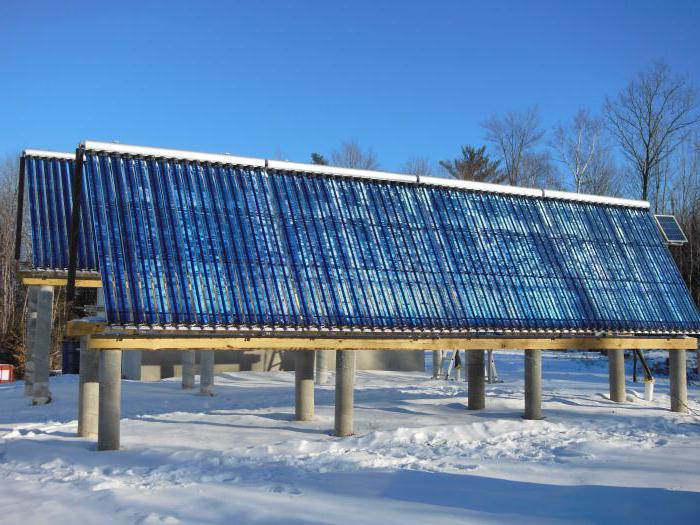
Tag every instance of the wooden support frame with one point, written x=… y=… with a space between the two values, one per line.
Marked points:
x=79 y=283
x=59 y=278
x=227 y=342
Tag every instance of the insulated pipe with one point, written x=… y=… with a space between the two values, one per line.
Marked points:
x=188 y=360
x=677 y=377
x=206 y=372
x=110 y=363
x=304 y=385
x=533 y=384
x=42 y=345
x=322 y=358
x=30 y=338
x=344 y=392
x=476 y=388
x=89 y=390
x=616 y=375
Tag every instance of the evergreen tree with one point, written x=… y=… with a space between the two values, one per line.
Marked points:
x=317 y=158
x=474 y=164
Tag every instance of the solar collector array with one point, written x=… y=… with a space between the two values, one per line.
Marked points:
x=49 y=184
x=196 y=243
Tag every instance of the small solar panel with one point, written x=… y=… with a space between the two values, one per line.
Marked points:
x=671 y=229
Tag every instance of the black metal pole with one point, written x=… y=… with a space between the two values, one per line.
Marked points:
x=20 y=210
x=74 y=229
x=645 y=366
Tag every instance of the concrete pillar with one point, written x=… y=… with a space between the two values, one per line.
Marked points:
x=29 y=341
x=344 y=391
x=677 y=377
x=476 y=388
x=110 y=364
x=42 y=345
x=131 y=364
x=206 y=372
x=89 y=390
x=437 y=361
x=533 y=384
x=616 y=375
x=322 y=357
x=188 y=362
x=304 y=385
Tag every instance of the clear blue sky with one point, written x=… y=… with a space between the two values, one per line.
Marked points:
x=283 y=78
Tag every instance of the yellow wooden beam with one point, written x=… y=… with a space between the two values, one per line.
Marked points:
x=80 y=327
x=79 y=283
x=214 y=342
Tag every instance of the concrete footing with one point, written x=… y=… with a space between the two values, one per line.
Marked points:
x=41 y=393
x=30 y=334
x=206 y=372
x=88 y=390
x=616 y=375
x=188 y=363
x=344 y=392
x=322 y=367
x=304 y=385
x=437 y=361
x=678 y=380
x=110 y=364
x=476 y=388
x=533 y=384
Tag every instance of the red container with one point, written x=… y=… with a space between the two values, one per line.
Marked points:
x=7 y=373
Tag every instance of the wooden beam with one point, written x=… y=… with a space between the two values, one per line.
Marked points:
x=80 y=327
x=79 y=283
x=226 y=342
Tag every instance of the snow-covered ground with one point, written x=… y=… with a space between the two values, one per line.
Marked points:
x=418 y=457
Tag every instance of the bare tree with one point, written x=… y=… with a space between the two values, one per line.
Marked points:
x=577 y=144
x=8 y=282
x=603 y=176
x=474 y=164
x=514 y=136
x=12 y=296
x=418 y=166
x=650 y=118
x=538 y=171
x=351 y=155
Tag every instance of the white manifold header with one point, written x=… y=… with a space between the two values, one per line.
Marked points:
x=47 y=154
x=280 y=165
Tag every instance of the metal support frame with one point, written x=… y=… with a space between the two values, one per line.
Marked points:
x=74 y=228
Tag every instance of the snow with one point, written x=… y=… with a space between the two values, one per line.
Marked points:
x=418 y=455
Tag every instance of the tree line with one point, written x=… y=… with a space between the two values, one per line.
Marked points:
x=643 y=143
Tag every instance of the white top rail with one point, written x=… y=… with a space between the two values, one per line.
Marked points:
x=44 y=153
x=279 y=165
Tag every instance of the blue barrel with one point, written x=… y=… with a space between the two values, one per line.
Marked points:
x=70 y=354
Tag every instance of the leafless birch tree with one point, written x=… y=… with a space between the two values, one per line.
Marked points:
x=577 y=144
